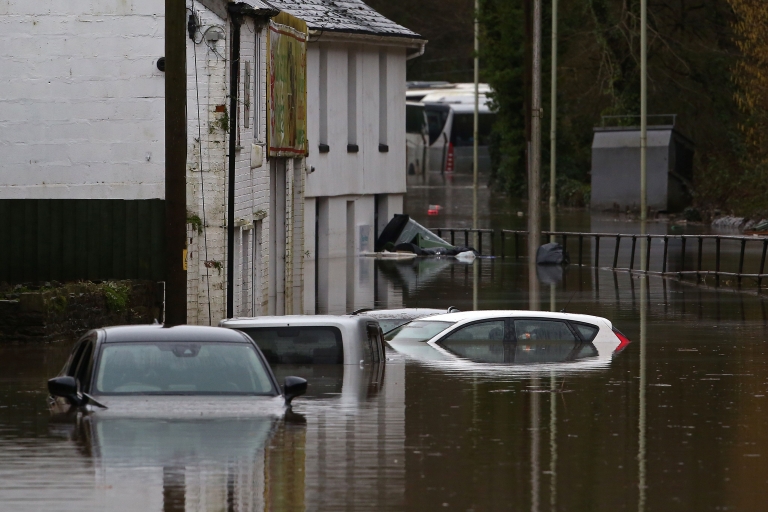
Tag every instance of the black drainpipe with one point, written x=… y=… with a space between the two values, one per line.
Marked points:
x=234 y=79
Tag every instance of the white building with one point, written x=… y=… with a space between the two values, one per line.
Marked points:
x=82 y=123
x=356 y=128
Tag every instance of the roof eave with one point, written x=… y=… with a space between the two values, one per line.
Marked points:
x=401 y=40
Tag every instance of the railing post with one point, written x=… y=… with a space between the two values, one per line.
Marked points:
x=466 y=238
x=682 y=257
x=717 y=261
x=762 y=264
x=564 y=240
x=581 y=247
x=597 y=251
x=440 y=232
x=664 y=261
x=479 y=241
x=632 y=256
x=648 y=255
x=616 y=251
x=741 y=260
x=503 y=237
x=453 y=237
x=698 y=267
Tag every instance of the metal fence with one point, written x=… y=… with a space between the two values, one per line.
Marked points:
x=71 y=239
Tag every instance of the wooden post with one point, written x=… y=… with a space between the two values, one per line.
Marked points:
x=175 y=163
x=632 y=256
x=517 y=245
x=648 y=255
x=664 y=261
x=717 y=261
x=698 y=267
x=616 y=251
x=682 y=256
x=762 y=264
x=581 y=247
x=741 y=260
x=502 y=244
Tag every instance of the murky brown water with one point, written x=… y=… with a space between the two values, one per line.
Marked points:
x=421 y=435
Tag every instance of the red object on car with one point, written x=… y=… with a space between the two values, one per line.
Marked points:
x=449 y=160
x=624 y=341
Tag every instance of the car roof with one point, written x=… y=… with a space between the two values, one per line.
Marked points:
x=480 y=315
x=158 y=333
x=293 y=320
x=404 y=312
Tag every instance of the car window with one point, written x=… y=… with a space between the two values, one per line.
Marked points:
x=462 y=130
x=418 y=331
x=542 y=330
x=83 y=371
x=588 y=332
x=77 y=355
x=374 y=342
x=389 y=324
x=299 y=345
x=545 y=351
x=481 y=342
x=182 y=368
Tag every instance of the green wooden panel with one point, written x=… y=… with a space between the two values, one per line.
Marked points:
x=131 y=239
x=81 y=239
x=72 y=239
x=56 y=239
x=43 y=233
x=69 y=240
x=144 y=247
x=29 y=264
x=5 y=240
x=118 y=239
x=157 y=240
x=92 y=244
x=16 y=251
x=105 y=239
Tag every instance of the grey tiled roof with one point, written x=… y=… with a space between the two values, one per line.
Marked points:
x=352 y=16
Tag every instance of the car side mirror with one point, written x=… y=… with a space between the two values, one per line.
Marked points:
x=65 y=387
x=293 y=387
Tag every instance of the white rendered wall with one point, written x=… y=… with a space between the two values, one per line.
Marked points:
x=369 y=171
x=81 y=109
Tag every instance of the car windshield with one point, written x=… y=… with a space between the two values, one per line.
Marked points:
x=299 y=345
x=387 y=324
x=197 y=368
x=419 y=330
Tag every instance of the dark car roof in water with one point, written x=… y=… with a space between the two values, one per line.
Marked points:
x=179 y=333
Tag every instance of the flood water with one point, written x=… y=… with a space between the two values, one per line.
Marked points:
x=674 y=422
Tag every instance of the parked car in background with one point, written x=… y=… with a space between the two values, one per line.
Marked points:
x=133 y=367
x=390 y=319
x=510 y=337
x=314 y=339
x=450 y=117
x=416 y=139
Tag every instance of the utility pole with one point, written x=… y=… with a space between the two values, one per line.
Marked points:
x=553 y=128
x=534 y=178
x=175 y=163
x=643 y=111
x=476 y=121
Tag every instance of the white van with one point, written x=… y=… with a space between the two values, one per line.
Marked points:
x=450 y=116
x=416 y=140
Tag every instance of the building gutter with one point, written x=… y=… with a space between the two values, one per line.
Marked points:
x=235 y=12
x=385 y=40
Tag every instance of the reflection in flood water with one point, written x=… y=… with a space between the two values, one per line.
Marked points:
x=674 y=422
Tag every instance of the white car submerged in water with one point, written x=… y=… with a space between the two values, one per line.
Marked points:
x=524 y=340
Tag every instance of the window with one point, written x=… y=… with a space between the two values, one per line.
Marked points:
x=299 y=345
x=587 y=332
x=182 y=368
x=247 y=95
x=481 y=341
x=323 y=96
x=374 y=342
x=418 y=331
x=257 y=100
x=383 y=105
x=542 y=330
x=436 y=119
x=352 y=98
x=414 y=119
x=463 y=129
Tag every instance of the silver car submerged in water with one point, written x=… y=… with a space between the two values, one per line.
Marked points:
x=314 y=339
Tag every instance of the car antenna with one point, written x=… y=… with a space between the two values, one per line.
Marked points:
x=568 y=303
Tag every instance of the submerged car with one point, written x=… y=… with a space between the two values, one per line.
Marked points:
x=314 y=339
x=390 y=319
x=151 y=368
x=510 y=337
